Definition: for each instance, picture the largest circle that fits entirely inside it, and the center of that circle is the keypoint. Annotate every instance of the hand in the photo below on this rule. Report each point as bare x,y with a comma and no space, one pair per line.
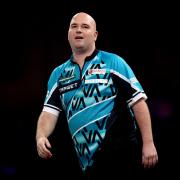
149,155
42,148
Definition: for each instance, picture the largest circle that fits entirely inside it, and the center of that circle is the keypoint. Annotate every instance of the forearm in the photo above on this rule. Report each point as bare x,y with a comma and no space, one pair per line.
46,124
143,119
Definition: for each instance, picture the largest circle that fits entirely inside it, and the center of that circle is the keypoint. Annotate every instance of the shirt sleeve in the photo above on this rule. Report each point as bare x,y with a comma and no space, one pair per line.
52,103
128,85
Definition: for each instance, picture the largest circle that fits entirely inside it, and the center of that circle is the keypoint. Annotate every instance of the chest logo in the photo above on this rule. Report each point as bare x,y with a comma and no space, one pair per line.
96,71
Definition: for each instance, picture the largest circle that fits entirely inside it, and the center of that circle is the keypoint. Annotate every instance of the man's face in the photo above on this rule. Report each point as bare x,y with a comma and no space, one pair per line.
82,32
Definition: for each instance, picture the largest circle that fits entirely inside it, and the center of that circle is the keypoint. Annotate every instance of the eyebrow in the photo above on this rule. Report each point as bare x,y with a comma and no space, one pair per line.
81,24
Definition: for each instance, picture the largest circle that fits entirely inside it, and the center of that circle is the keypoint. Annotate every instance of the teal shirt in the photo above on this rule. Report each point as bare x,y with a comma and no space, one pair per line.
88,98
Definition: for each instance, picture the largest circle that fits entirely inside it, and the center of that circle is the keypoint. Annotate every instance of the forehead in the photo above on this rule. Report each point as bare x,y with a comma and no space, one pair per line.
82,19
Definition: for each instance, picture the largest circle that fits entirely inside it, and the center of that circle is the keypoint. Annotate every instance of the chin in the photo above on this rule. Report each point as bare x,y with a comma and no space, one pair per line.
79,47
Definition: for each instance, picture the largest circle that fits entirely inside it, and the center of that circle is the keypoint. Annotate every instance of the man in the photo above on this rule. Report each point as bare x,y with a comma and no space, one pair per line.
101,97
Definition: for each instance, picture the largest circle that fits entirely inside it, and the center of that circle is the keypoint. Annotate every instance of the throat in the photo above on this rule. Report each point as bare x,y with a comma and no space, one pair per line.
81,64
80,61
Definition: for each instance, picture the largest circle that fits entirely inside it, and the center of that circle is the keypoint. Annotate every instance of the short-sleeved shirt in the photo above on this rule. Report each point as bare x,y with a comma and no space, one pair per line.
93,98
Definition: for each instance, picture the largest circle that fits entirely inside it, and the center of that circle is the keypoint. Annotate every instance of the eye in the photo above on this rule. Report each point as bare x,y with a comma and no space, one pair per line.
73,26
85,26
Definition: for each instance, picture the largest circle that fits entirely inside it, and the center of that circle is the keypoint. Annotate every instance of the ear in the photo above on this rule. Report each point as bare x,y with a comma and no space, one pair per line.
95,35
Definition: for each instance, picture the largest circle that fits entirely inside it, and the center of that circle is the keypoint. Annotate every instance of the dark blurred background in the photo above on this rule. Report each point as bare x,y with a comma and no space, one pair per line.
34,42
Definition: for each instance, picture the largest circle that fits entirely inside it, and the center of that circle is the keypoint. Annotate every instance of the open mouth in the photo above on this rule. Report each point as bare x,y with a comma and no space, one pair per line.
79,37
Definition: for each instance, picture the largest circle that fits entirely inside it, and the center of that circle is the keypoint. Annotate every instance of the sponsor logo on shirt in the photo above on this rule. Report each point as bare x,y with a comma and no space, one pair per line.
94,81
96,71
66,78
68,87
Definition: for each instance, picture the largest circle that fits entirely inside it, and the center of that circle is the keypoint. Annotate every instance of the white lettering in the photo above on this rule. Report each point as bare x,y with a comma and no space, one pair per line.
93,81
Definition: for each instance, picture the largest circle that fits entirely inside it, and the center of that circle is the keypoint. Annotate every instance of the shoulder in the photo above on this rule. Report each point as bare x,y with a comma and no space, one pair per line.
112,58
56,72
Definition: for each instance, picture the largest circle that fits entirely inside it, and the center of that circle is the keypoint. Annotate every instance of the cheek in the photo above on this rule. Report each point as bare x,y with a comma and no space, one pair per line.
70,38
70,35
92,38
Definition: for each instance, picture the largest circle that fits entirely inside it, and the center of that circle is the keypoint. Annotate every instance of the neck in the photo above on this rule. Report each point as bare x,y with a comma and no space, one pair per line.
79,56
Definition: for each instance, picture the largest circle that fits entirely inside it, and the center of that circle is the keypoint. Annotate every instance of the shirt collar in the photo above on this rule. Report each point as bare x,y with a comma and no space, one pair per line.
88,58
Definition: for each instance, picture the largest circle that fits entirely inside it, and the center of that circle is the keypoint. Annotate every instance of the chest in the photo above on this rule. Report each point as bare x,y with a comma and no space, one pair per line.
84,87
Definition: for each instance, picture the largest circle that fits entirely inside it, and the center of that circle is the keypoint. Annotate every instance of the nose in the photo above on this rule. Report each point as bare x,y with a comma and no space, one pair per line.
78,30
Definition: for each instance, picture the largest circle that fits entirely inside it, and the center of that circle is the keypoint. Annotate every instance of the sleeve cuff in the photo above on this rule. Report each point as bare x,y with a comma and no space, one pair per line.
136,98
51,110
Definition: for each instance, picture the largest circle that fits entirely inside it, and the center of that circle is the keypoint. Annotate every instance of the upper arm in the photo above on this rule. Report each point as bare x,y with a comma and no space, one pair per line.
47,115
52,103
47,120
127,83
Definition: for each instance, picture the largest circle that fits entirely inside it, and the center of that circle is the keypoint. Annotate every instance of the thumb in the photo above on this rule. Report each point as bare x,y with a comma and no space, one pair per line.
48,144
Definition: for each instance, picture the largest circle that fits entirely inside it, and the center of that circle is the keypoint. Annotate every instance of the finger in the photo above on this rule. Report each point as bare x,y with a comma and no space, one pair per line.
145,162
48,144
47,152
155,160
150,162
44,152
43,155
